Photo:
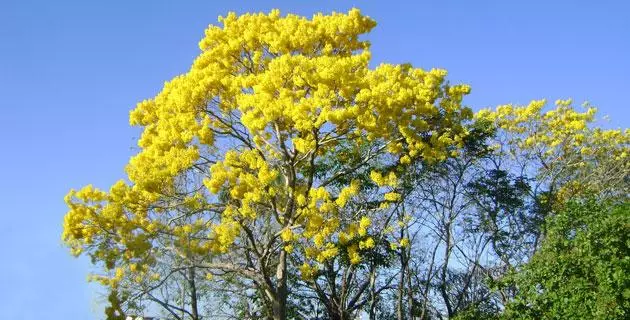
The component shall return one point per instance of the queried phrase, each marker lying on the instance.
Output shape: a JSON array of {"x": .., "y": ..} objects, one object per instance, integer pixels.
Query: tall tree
[
  {"x": 480, "y": 216},
  {"x": 231, "y": 182}
]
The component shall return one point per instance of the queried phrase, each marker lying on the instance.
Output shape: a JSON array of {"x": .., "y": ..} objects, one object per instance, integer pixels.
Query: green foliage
[
  {"x": 114, "y": 311},
  {"x": 582, "y": 270},
  {"x": 477, "y": 313}
]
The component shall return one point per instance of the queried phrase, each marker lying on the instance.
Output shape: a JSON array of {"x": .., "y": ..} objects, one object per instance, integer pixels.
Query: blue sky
[{"x": 70, "y": 71}]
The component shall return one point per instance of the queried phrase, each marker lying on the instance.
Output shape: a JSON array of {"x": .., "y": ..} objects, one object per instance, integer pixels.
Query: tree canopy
[
  {"x": 581, "y": 270},
  {"x": 284, "y": 177}
]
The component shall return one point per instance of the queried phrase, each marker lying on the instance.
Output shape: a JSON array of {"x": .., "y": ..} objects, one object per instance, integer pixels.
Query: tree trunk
[
  {"x": 401, "y": 289},
  {"x": 409, "y": 289},
  {"x": 401, "y": 280},
  {"x": 338, "y": 315},
  {"x": 280, "y": 301},
  {"x": 373, "y": 295},
  {"x": 443, "y": 275},
  {"x": 193, "y": 293}
]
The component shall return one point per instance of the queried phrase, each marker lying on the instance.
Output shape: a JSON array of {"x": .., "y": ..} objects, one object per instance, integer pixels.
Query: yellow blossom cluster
[
  {"x": 110, "y": 230},
  {"x": 562, "y": 127},
  {"x": 244, "y": 132},
  {"x": 562, "y": 140},
  {"x": 307, "y": 271},
  {"x": 118, "y": 228},
  {"x": 346, "y": 193},
  {"x": 389, "y": 180}
]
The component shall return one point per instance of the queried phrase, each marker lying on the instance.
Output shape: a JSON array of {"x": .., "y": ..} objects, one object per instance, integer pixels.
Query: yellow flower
[
  {"x": 367, "y": 243},
  {"x": 392, "y": 196},
  {"x": 363, "y": 225},
  {"x": 286, "y": 235},
  {"x": 307, "y": 271}
]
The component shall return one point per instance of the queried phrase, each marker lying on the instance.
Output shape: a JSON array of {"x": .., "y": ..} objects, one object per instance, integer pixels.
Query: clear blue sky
[{"x": 70, "y": 71}]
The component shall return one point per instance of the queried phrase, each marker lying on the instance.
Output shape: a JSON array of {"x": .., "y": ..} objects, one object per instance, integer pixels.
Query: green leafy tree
[{"x": 582, "y": 270}]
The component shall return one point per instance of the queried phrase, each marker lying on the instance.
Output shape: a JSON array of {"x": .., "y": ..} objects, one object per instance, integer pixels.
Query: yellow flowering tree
[
  {"x": 562, "y": 148},
  {"x": 542, "y": 158},
  {"x": 477, "y": 217},
  {"x": 231, "y": 178}
]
